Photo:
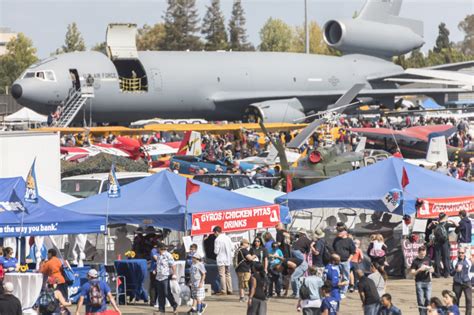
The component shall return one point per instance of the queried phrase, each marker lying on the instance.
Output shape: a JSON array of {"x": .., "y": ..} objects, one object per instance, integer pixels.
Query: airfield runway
[{"x": 402, "y": 291}]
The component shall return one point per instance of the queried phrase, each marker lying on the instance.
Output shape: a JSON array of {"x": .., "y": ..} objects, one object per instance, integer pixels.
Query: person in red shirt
[{"x": 52, "y": 267}]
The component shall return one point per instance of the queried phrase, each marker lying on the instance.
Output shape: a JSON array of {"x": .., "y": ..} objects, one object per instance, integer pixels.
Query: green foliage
[
  {"x": 73, "y": 40},
  {"x": 181, "y": 25},
  {"x": 213, "y": 27},
  {"x": 20, "y": 55},
  {"x": 237, "y": 32},
  {"x": 316, "y": 41},
  {"x": 151, "y": 37},
  {"x": 442, "y": 41},
  {"x": 467, "y": 26},
  {"x": 276, "y": 35},
  {"x": 100, "y": 47}
]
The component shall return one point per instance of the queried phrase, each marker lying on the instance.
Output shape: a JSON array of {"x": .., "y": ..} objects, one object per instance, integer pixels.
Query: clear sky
[{"x": 45, "y": 21}]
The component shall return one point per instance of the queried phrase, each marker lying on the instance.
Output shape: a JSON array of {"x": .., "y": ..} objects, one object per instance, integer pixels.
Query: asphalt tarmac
[{"x": 402, "y": 291}]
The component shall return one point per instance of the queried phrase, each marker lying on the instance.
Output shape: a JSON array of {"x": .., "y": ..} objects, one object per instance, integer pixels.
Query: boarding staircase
[{"x": 74, "y": 102}]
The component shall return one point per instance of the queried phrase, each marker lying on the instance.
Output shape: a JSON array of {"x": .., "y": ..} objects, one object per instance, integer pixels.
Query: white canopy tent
[{"x": 26, "y": 115}]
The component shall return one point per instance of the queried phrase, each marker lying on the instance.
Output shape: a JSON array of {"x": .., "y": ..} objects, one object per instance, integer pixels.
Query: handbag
[{"x": 67, "y": 273}]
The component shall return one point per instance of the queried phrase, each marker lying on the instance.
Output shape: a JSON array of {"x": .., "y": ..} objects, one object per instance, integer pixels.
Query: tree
[
  {"x": 100, "y": 47},
  {"x": 19, "y": 56},
  {"x": 276, "y": 35},
  {"x": 213, "y": 27},
  {"x": 151, "y": 37},
  {"x": 237, "y": 32},
  {"x": 467, "y": 26},
  {"x": 181, "y": 25},
  {"x": 73, "y": 40},
  {"x": 316, "y": 41},
  {"x": 442, "y": 41}
]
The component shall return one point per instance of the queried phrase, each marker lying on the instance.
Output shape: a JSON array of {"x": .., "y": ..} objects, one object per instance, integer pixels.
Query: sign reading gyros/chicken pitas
[
  {"x": 432, "y": 207},
  {"x": 236, "y": 219}
]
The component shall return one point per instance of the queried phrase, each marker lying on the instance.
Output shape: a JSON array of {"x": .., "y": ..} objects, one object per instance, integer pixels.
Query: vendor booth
[
  {"x": 19, "y": 218},
  {"x": 373, "y": 199}
]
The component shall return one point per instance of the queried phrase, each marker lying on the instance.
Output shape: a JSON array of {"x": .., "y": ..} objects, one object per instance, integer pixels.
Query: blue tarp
[
  {"x": 41, "y": 218},
  {"x": 159, "y": 200},
  {"x": 364, "y": 188},
  {"x": 429, "y": 103}
]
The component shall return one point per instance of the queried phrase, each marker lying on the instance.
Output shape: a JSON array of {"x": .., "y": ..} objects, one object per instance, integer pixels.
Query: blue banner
[
  {"x": 113, "y": 185},
  {"x": 31, "y": 192}
]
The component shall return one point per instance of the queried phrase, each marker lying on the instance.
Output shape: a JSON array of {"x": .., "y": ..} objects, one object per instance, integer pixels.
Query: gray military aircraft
[{"x": 128, "y": 85}]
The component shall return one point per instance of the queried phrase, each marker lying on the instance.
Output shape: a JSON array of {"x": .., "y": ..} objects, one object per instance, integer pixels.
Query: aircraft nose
[{"x": 17, "y": 90}]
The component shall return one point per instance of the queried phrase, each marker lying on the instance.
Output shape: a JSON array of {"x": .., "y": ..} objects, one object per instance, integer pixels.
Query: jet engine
[
  {"x": 284, "y": 110},
  {"x": 372, "y": 38}
]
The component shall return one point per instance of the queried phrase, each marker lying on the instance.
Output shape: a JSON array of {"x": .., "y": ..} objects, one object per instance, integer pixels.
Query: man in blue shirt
[
  {"x": 462, "y": 280},
  {"x": 94, "y": 285}
]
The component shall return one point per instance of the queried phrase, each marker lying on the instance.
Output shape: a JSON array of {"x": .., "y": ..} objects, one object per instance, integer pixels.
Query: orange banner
[
  {"x": 243, "y": 219},
  {"x": 432, "y": 207}
]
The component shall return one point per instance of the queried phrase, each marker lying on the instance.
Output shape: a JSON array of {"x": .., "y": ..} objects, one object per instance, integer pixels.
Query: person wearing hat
[
  {"x": 319, "y": 249},
  {"x": 198, "y": 277},
  {"x": 302, "y": 246},
  {"x": 94, "y": 294},
  {"x": 242, "y": 267},
  {"x": 9, "y": 304}
]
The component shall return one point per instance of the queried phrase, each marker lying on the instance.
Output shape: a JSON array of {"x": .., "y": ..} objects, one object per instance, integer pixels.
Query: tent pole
[{"x": 106, "y": 232}]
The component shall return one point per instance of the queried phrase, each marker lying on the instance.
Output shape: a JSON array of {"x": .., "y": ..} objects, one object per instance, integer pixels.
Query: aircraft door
[
  {"x": 157, "y": 80},
  {"x": 76, "y": 83}
]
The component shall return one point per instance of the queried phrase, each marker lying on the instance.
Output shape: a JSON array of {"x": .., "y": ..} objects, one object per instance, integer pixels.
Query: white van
[{"x": 83, "y": 186}]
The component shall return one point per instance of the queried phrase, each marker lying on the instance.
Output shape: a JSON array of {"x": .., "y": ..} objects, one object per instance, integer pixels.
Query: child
[
  {"x": 355, "y": 263},
  {"x": 377, "y": 249},
  {"x": 387, "y": 307},
  {"x": 329, "y": 305},
  {"x": 198, "y": 276},
  {"x": 335, "y": 278},
  {"x": 189, "y": 261}
]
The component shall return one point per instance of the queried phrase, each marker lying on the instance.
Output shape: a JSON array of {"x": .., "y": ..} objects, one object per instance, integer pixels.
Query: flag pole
[{"x": 186, "y": 218}]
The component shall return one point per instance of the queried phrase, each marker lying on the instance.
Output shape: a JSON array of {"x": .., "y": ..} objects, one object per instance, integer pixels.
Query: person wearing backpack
[
  {"x": 334, "y": 277},
  {"x": 51, "y": 300},
  {"x": 310, "y": 299},
  {"x": 94, "y": 294},
  {"x": 440, "y": 230}
]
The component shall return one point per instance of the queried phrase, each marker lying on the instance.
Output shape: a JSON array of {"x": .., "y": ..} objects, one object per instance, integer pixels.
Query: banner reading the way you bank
[{"x": 242, "y": 219}]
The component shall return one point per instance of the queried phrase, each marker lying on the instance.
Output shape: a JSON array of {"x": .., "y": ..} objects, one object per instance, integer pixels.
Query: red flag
[
  {"x": 289, "y": 183},
  {"x": 119, "y": 282},
  {"x": 191, "y": 188},
  {"x": 405, "y": 180}
]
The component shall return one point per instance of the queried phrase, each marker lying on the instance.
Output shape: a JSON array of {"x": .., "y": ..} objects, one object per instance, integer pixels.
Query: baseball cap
[
  {"x": 92, "y": 273},
  {"x": 197, "y": 256}
]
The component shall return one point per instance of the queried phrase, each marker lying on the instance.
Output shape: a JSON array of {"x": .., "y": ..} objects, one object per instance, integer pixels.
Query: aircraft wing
[
  {"x": 330, "y": 95},
  {"x": 413, "y": 134}
]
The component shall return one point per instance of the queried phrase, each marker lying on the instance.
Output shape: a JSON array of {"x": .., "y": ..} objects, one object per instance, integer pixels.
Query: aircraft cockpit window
[
  {"x": 29, "y": 75},
  {"x": 50, "y": 76},
  {"x": 40, "y": 75}
]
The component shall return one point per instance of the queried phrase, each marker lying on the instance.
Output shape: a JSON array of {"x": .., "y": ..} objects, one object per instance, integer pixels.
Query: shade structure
[
  {"x": 21, "y": 218},
  {"x": 160, "y": 200},
  {"x": 365, "y": 188},
  {"x": 27, "y": 115}
]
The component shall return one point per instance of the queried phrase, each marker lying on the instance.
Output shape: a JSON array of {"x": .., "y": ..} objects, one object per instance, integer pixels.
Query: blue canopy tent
[
  {"x": 21, "y": 218},
  {"x": 366, "y": 187},
  {"x": 160, "y": 200},
  {"x": 429, "y": 103}
]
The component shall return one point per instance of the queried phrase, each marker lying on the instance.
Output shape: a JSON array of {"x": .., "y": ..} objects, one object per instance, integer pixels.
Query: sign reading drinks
[{"x": 242, "y": 219}]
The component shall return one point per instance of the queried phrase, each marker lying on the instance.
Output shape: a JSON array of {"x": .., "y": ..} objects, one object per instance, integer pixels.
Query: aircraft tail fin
[
  {"x": 387, "y": 11},
  {"x": 191, "y": 144},
  {"x": 437, "y": 150},
  {"x": 361, "y": 145}
]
